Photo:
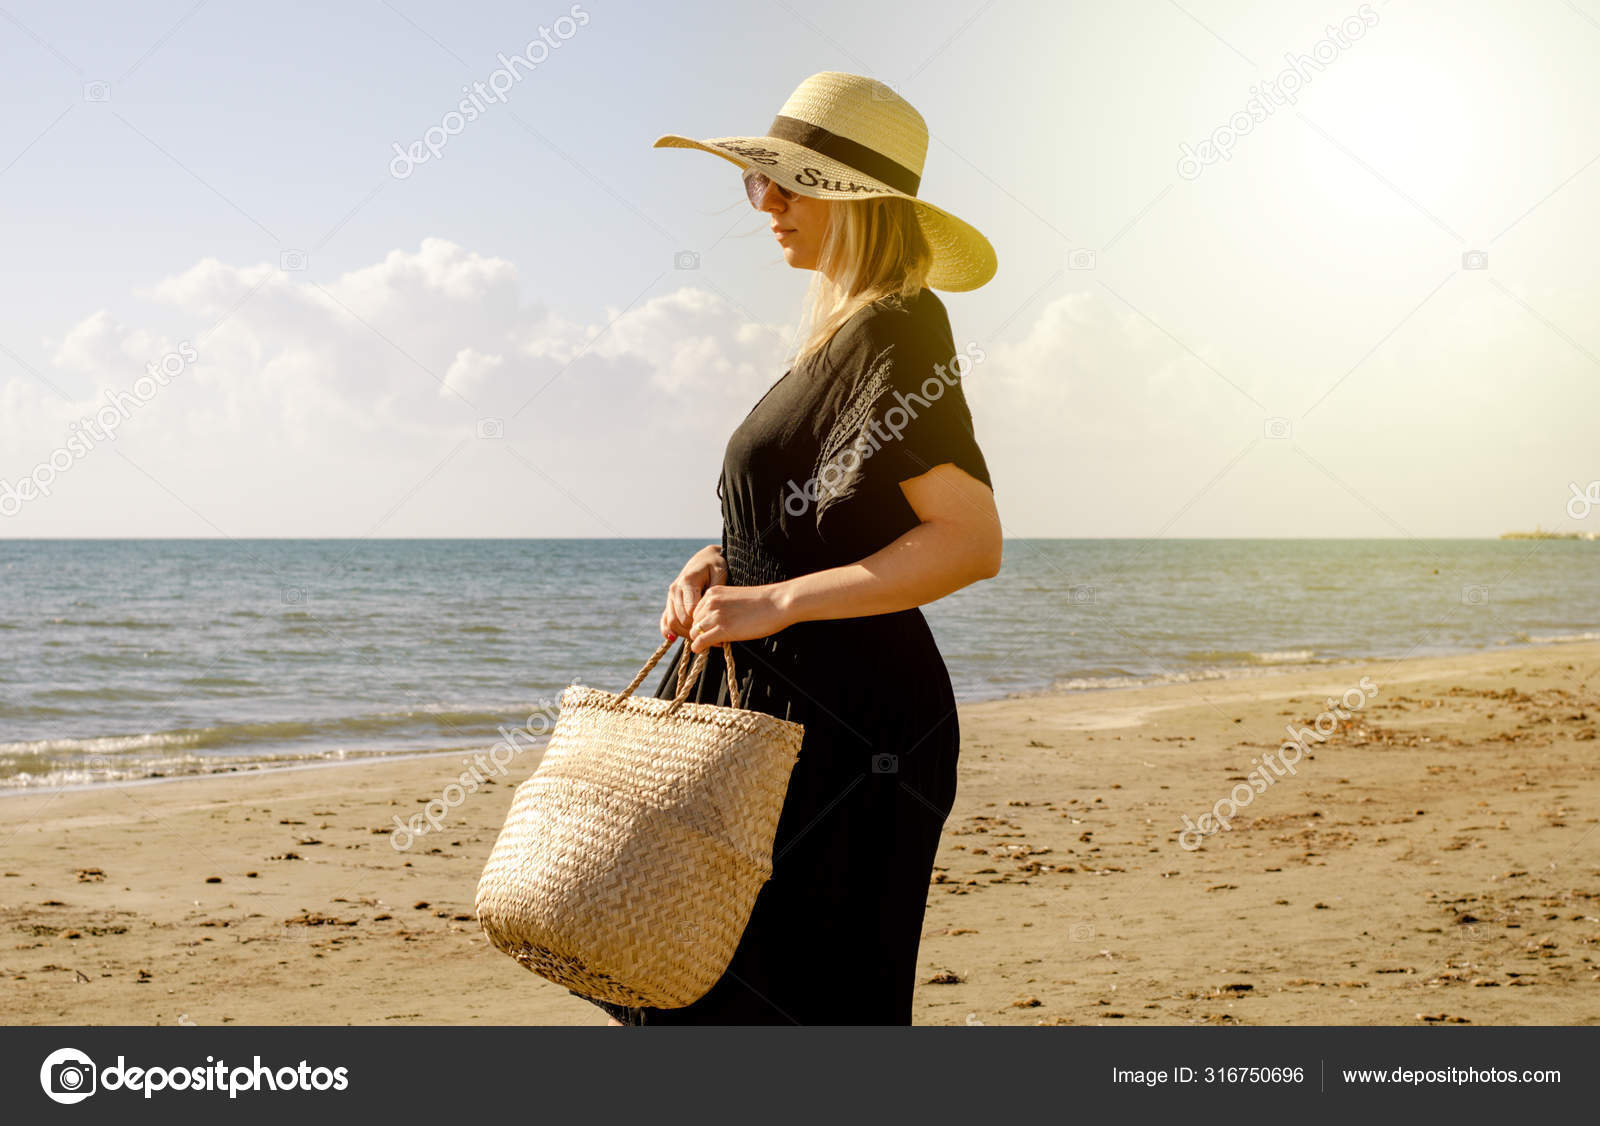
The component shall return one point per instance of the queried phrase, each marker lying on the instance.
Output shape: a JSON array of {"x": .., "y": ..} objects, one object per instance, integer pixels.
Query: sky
[{"x": 1357, "y": 301}]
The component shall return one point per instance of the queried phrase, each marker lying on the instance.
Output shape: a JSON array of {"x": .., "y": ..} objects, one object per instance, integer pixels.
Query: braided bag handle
[{"x": 688, "y": 677}]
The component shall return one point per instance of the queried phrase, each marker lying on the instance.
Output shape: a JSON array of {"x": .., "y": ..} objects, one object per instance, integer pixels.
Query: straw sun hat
[{"x": 842, "y": 136}]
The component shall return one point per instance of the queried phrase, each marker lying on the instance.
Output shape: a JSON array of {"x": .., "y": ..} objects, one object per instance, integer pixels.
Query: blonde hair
[{"x": 873, "y": 248}]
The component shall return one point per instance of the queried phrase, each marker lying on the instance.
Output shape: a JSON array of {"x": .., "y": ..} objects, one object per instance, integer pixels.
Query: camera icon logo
[
  {"x": 1080, "y": 932},
  {"x": 491, "y": 428},
  {"x": 68, "y": 1076},
  {"x": 686, "y": 260},
  {"x": 1475, "y": 260},
  {"x": 885, "y": 764},
  {"x": 292, "y": 260},
  {"x": 1080, "y": 259},
  {"x": 1082, "y": 594},
  {"x": 1278, "y": 428},
  {"x": 294, "y": 595},
  {"x": 97, "y": 91},
  {"x": 1474, "y": 595}
]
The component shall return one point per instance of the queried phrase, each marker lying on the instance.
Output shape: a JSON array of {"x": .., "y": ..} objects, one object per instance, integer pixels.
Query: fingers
[
  {"x": 672, "y": 623},
  {"x": 707, "y": 628},
  {"x": 706, "y": 638},
  {"x": 688, "y": 603},
  {"x": 683, "y": 604},
  {"x": 679, "y": 614}
]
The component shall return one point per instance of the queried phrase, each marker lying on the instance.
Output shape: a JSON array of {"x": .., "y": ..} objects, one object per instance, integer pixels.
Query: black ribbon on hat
[{"x": 858, "y": 156}]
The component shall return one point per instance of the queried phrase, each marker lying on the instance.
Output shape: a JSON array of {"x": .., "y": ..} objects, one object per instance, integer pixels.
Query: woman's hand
[
  {"x": 704, "y": 570},
  {"x": 738, "y": 613}
]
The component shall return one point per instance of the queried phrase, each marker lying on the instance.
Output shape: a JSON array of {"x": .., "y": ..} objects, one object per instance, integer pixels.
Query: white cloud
[
  {"x": 470, "y": 370},
  {"x": 319, "y": 406},
  {"x": 337, "y": 408}
]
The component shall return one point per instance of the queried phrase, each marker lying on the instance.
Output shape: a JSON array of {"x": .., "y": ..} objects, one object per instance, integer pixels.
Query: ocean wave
[
  {"x": 474, "y": 724},
  {"x": 1559, "y": 638},
  {"x": 104, "y": 694},
  {"x": 140, "y": 657},
  {"x": 31, "y": 711},
  {"x": 1187, "y": 676},
  {"x": 99, "y": 623},
  {"x": 47, "y": 774},
  {"x": 1255, "y": 657}
]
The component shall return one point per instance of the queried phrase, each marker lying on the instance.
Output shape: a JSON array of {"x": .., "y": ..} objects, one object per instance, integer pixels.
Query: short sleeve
[{"x": 906, "y": 414}]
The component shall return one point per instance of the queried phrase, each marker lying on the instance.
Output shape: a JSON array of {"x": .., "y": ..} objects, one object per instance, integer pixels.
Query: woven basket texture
[{"x": 631, "y": 858}]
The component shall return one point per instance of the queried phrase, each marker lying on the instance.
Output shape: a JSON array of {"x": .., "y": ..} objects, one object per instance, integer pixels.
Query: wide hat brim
[{"x": 962, "y": 258}]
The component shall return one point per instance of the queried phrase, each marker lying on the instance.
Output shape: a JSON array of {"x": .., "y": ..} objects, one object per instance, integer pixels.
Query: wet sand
[{"x": 1434, "y": 858}]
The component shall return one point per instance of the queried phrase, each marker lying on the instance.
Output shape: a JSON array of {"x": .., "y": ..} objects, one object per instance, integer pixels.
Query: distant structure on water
[{"x": 1541, "y": 534}]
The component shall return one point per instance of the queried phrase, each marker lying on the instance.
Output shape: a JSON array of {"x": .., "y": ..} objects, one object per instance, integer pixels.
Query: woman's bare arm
[{"x": 958, "y": 542}]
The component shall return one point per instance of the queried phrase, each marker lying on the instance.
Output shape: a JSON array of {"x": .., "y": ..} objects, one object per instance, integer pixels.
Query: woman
[{"x": 852, "y": 493}]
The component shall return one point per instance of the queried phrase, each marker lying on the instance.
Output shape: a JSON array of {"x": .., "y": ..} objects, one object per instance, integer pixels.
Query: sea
[{"x": 124, "y": 660}]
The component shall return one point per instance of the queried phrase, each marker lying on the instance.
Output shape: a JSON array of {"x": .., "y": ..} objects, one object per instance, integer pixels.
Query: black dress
[{"x": 811, "y": 481}]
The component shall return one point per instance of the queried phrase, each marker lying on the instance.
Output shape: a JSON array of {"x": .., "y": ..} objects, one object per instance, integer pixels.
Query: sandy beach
[{"x": 1433, "y": 858}]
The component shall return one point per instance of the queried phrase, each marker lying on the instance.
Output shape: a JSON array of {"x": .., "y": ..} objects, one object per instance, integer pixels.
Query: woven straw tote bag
[{"x": 630, "y": 861}]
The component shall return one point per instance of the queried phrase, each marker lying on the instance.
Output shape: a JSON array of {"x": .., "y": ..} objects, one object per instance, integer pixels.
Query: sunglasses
[{"x": 755, "y": 186}]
